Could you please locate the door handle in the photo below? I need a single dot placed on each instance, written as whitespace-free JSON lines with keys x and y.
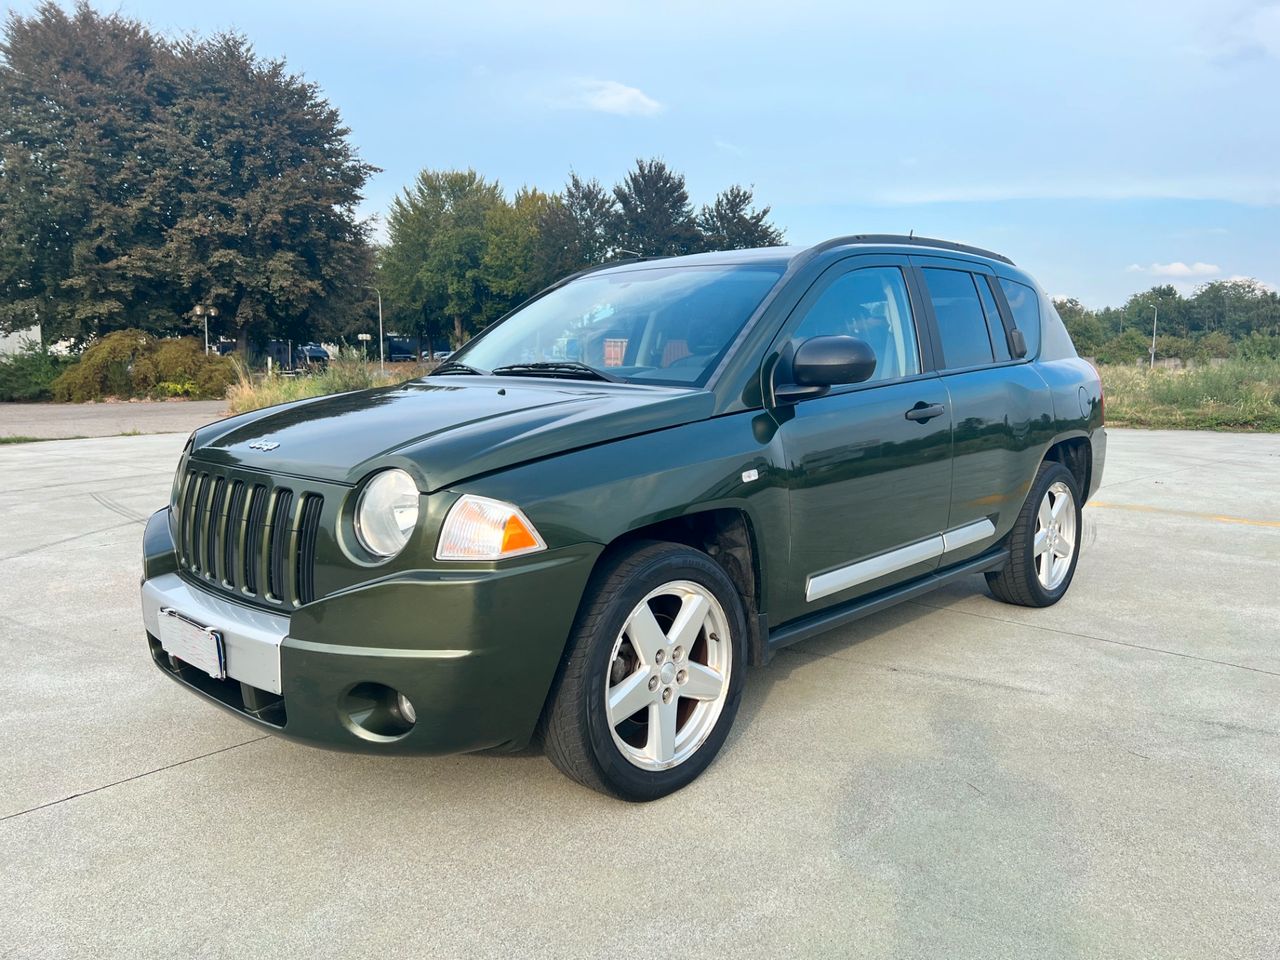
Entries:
{"x":925,"y":411}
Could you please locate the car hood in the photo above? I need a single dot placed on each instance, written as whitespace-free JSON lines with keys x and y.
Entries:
{"x":443,"y":429}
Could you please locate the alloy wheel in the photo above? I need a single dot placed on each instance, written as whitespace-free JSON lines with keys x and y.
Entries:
{"x":668,"y":675}
{"x":1055,"y":540}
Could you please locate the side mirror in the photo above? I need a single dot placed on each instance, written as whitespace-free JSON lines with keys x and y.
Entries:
{"x":820,"y":363}
{"x":1018,"y":343}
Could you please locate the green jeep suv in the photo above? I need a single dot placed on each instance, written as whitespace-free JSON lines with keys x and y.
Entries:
{"x":590,"y":523}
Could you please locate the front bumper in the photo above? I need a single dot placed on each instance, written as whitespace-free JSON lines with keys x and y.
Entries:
{"x":474,"y":650}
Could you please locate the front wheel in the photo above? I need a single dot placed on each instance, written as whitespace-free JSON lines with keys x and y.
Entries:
{"x":652,"y":674}
{"x":1044,"y":545}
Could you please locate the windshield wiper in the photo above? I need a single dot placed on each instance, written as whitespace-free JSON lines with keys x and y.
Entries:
{"x":554,"y":367}
{"x":454,"y":366}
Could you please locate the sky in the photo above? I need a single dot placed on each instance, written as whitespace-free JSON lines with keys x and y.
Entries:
{"x":1105,"y":147}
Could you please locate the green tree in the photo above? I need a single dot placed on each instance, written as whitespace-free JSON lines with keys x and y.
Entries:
{"x":431,"y":271}
{"x":265,"y":228}
{"x":83,"y":178}
{"x":655,"y":217}
{"x":517,"y":261}
{"x":732,"y":223}
{"x":578,"y":227}
{"x":1083,"y":325}
{"x":141,"y":176}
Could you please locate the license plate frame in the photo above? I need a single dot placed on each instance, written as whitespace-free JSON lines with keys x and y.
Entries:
{"x":193,"y":643}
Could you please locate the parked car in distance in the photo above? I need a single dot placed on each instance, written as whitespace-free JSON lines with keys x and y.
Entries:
{"x":594,"y":521}
{"x":310,"y":355}
{"x":401,"y":350}
{"x":441,"y":355}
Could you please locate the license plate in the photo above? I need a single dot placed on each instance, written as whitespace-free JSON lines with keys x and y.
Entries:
{"x":192,"y":643}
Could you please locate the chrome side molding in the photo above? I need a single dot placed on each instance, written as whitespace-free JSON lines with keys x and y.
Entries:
{"x":967,"y":535}
{"x":822,"y":585}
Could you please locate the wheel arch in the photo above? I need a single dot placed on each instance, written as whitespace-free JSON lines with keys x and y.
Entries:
{"x":729,"y":536}
{"x":1076,"y":454}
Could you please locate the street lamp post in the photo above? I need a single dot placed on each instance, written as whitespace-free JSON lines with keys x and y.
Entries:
{"x":204,"y":313}
{"x":1155,"y":315}
{"x":382,"y":363}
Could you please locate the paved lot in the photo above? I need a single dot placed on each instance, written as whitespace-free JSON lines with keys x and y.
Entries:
{"x":55,"y":420}
{"x":953,"y":778}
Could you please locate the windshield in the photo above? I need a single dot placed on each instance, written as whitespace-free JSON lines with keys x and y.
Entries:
{"x":668,"y":325}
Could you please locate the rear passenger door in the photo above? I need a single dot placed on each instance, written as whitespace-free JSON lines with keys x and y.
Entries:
{"x":868,"y":464}
{"x":996,"y":399}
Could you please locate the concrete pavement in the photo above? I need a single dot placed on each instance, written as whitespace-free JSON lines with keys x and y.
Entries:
{"x":952,"y":778}
{"x":48,"y":421}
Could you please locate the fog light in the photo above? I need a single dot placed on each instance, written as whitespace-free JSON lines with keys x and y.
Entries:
{"x":405,"y":706}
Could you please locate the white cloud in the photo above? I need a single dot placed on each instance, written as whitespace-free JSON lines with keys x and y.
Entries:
{"x":727,"y":147}
{"x":1255,"y":35}
{"x":610,"y":96}
{"x":1177,"y":269}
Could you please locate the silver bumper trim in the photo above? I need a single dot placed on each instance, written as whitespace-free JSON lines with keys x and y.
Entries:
{"x":251,"y":638}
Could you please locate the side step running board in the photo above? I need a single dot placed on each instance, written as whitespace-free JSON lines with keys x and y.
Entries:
{"x":844,"y":613}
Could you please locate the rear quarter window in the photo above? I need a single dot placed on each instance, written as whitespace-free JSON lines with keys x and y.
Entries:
{"x":1024,"y":302}
{"x":961,"y":321}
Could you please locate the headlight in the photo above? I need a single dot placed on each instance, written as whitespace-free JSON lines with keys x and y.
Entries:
{"x":387,"y":512}
{"x":478,"y":528}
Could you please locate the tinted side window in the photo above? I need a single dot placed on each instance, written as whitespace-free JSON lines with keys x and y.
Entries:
{"x":872,"y":305}
{"x":995,"y":326}
{"x":1025,"y":306}
{"x":961,"y":322}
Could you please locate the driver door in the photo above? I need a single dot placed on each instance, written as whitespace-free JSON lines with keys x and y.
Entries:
{"x":869,"y":464}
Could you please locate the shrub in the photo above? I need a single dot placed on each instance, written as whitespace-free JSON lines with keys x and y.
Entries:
{"x":129,"y":363}
{"x":28,"y":375}
{"x":348,"y":370}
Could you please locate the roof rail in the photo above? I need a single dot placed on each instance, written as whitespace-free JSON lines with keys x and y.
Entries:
{"x":912,"y":240}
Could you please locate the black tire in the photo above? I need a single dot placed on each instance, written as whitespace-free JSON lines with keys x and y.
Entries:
{"x":1016,"y":582}
{"x":575,"y":730}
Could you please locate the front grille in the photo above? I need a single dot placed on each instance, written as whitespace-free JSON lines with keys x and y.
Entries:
{"x":251,"y":537}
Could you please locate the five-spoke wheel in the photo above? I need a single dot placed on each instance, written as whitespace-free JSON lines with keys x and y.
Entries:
{"x":1055,"y":540}
{"x":669,"y":675}
{"x":653,"y":674}
{"x":1044,"y":544}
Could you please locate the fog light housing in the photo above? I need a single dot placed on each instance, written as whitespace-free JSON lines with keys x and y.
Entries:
{"x":405,"y":706}
{"x":374,"y":711}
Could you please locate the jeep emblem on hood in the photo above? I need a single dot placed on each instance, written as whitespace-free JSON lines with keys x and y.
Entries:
{"x":263,"y":445}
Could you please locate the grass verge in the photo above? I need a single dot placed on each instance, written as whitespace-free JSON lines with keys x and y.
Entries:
{"x":1235,"y":395}
{"x":347,"y":371}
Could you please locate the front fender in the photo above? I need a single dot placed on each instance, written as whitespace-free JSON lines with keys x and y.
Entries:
{"x":602,"y":493}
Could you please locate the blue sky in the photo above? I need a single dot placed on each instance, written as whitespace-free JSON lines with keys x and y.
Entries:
{"x":1104,"y":146}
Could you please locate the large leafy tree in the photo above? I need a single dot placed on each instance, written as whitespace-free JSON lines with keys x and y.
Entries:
{"x":83,"y":176}
{"x":578,"y":226}
{"x":732,"y":223}
{"x":432,"y":268}
{"x":655,"y":217}
{"x":140,"y":177}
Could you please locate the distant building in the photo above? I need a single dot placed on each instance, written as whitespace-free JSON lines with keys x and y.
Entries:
{"x":11,"y":343}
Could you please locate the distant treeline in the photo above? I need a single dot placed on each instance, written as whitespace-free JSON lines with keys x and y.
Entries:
{"x":460,"y":253}
{"x":1225,"y":318}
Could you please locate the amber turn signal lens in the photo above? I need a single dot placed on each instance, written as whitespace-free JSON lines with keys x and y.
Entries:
{"x":478,"y":528}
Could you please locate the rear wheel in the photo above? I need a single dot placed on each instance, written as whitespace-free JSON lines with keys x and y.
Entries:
{"x":652,"y":675}
{"x":1044,"y":545}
